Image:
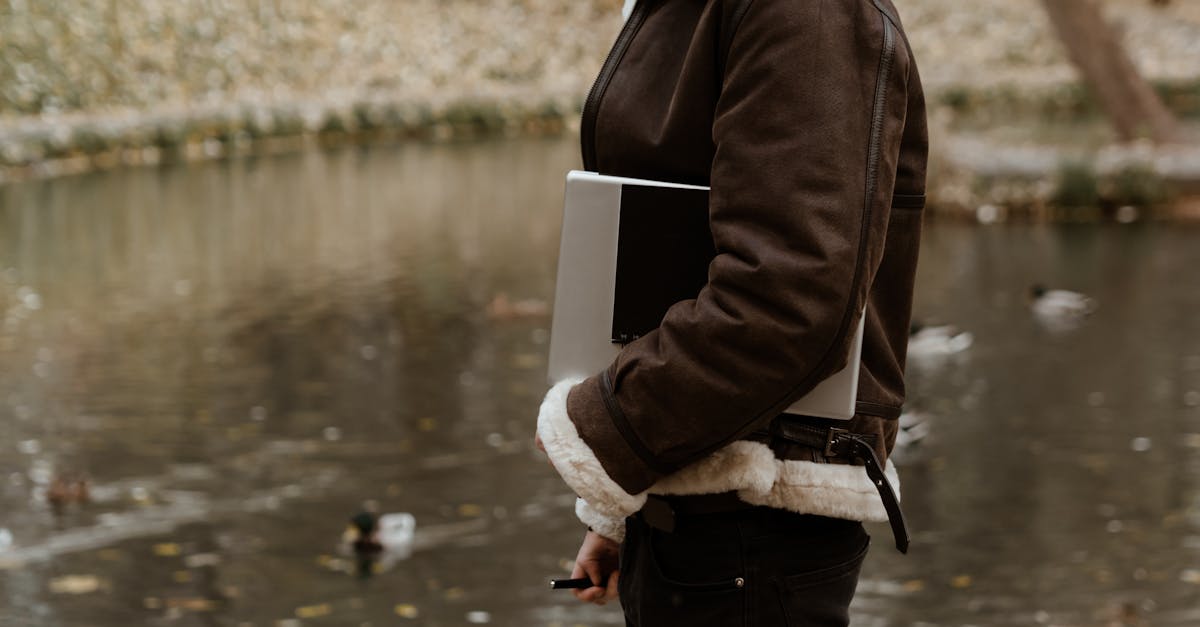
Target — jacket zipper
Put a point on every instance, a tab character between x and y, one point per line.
881	87
591	106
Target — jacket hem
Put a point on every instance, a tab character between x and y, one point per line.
748	468
611	527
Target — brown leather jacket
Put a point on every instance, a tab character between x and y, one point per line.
807	120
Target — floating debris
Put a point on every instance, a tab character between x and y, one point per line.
75	584
961	582
1141	445
167	549
314	611
406	610
479	617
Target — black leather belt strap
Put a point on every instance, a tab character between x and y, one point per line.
836	442
660	511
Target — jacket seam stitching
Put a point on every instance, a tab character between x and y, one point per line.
624	428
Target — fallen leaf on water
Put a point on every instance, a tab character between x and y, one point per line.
193	604
199	560
455	593
75	584
914	585
314	611
407	610
181	576
426	424
167	549
469	510
961	581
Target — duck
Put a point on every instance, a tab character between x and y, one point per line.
1059	305
67	489
914	427
378	540
937	341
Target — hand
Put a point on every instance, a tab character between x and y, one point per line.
597	560
537	439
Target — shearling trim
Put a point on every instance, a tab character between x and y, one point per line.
576	462
834	490
741	465
611	528
751	469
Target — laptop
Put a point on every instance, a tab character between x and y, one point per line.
630	249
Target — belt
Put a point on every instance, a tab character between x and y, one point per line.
661	511
844	444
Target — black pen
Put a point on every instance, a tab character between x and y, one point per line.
572	584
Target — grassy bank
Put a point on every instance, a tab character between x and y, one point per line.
92	85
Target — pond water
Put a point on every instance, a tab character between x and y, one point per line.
238	354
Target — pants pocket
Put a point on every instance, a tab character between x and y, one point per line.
665	591
821	597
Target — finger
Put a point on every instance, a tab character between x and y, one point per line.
576	573
611	593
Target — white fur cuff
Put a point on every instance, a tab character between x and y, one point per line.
576	462
611	528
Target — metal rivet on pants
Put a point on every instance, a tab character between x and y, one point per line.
739	582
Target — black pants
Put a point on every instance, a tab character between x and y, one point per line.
757	567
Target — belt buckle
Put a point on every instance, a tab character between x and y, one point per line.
832	439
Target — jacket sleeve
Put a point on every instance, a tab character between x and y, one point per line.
801	184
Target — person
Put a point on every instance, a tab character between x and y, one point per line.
705	504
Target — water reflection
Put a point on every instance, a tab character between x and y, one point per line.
237	355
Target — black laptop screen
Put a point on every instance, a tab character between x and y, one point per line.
664	247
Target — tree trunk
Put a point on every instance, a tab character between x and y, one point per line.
1132	105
